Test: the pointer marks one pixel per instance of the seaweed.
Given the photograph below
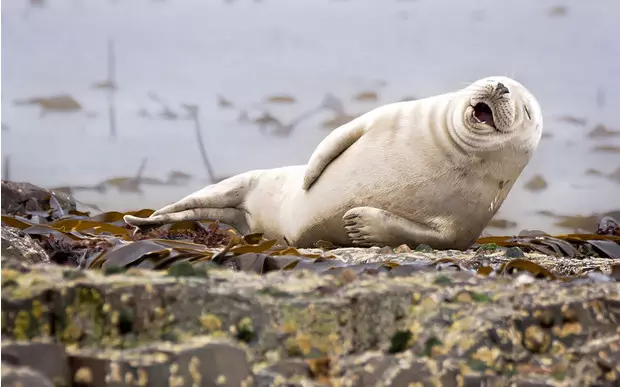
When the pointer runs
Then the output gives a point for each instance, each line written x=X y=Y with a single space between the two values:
x=105 y=242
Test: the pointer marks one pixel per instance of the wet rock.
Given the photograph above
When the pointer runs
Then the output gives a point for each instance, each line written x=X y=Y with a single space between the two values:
x=290 y=368
x=199 y=361
x=21 y=197
x=238 y=328
x=295 y=372
x=608 y=226
x=17 y=246
x=514 y=252
x=363 y=370
x=13 y=376
x=49 y=359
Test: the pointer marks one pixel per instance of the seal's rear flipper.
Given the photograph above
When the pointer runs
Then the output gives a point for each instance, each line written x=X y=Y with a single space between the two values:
x=231 y=216
x=215 y=202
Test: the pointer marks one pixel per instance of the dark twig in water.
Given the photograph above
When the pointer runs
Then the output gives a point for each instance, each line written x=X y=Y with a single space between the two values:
x=141 y=168
x=6 y=168
x=133 y=184
x=600 y=97
x=193 y=112
x=166 y=112
x=112 y=89
x=285 y=130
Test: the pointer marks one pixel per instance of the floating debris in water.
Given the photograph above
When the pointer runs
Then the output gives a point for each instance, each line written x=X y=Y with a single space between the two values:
x=573 y=120
x=606 y=148
x=501 y=223
x=223 y=102
x=107 y=84
x=333 y=103
x=365 y=96
x=594 y=172
x=615 y=175
x=178 y=178
x=337 y=121
x=603 y=131
x=536 y=183
x=558 y=11
x=59 y=103
x=282 y=98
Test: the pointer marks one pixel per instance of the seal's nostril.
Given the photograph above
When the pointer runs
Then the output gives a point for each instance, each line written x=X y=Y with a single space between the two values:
x=501 y=89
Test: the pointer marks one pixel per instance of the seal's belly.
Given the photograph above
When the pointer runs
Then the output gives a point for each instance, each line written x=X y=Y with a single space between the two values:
x=414 y=186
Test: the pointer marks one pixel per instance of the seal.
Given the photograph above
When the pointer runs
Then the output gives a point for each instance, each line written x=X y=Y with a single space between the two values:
x=431 y=171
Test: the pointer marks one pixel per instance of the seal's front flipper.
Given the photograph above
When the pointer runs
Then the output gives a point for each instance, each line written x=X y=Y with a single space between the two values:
x=332 y=146
x=369 y=226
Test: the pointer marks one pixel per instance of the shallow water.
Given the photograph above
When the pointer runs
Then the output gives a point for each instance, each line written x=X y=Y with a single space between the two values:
x=192 y=51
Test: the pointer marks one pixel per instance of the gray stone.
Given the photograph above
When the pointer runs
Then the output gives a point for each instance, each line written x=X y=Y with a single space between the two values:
x=15 y=376
x=21 y=247
x=21 y=197
x=49 y=359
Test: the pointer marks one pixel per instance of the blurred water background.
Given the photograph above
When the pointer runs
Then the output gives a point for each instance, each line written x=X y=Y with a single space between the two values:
x=95 y=92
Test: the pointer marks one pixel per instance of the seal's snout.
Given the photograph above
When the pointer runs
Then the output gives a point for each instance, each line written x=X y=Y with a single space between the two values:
x=500 y=89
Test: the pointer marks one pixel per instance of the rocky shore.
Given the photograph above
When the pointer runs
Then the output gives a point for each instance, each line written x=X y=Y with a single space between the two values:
x=493 y=315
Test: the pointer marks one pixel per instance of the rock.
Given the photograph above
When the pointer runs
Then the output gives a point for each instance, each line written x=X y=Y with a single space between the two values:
x=202 y=360
x=514 y=252
x=21 y=197
x=419 y=260
x=17 y=246
x=236 y=328
x=49 y=359
x=23 y=377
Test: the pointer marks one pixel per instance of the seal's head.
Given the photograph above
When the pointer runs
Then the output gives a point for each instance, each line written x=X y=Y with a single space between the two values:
x=497 y=112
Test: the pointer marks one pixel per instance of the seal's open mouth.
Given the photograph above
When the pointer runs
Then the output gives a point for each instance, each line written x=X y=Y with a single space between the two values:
x=483 y=114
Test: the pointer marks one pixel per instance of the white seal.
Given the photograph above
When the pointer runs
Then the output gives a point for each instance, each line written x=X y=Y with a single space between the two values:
x=430 y=171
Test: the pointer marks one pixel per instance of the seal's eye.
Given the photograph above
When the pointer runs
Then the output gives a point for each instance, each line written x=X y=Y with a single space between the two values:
x=527 y=112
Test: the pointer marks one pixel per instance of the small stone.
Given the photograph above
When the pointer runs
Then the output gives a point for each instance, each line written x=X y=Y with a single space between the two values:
x=23 y=376
x=347 y=276
x=21 y=198
x=402 y=249
x=48 y=359
x=111 y=270
x=385 y=250
x=245 y=330
x=424 y=248
x=400 y=341
x=181 y=269
x=290 y=368
x=487 y=247
x=524 y=279
x=615 y=272
x=17 y=246
x=514 y=252
x=324 y=245
x=536 y=339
